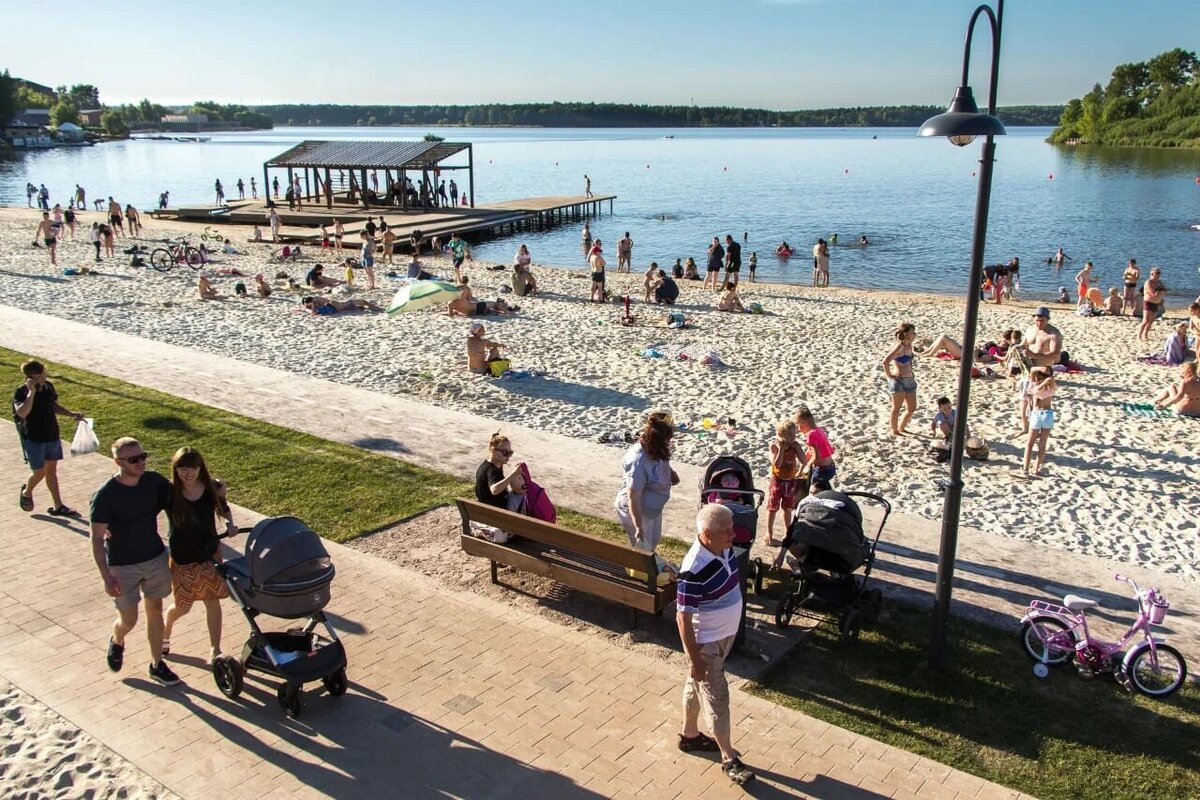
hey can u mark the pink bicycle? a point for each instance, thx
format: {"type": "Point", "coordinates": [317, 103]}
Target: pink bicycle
{"type": "Point", "coordinates": [1053, 635]}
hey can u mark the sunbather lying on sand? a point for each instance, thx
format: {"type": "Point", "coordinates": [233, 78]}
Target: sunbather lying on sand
{"type": "Point", "coordinates": [324, 306]}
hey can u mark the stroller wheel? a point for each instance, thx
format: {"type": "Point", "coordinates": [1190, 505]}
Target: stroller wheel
{"type": "Point", "coordinates": [290, 699]}
{"type": "Point", "coordinates": [757, 569]}
{"type": "Point", "coordinates": [336, 684]}
{"type": "Point", "coordinates": [227, 672]}
{"type": "Point", "coordinates": [783, 613]}
{"type": "Point", "coordinates": [850, 626]}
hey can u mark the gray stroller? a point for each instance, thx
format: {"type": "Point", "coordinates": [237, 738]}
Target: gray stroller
{"type": "Point", "coordinates": [286, 573]}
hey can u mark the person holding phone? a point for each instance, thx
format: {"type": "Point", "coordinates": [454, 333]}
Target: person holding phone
{"type": "Point", "coordinates": [35, 410]}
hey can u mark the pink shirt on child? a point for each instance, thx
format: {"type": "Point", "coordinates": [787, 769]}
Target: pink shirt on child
{"type": "Point", "coordinates": [819, 442]}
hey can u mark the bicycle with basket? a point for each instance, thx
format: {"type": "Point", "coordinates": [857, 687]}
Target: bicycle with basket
{"type": "Point", "coordinates": [1054, 635]}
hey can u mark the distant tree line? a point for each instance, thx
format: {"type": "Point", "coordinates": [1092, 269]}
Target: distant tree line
{"type": "Point", "coordinates": [617, 115]}
{"type": "Point", "coordinates": [1155, 103]}
{"type": "Point", "coordinates": [149, 115]}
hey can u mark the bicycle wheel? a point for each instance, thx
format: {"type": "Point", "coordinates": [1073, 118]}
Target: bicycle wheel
{"type": "Point", "coordinates": [1048, 640]}
{"type": "Point", "coordinates": [193, 257]}
{"type": "Point", "coordinates": [161, 259]}
{"type": "Point", "coordinates": [1162, 681]}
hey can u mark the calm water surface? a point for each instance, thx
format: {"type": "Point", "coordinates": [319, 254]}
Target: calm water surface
{"type": "Point", "coordinates": [913, 198]}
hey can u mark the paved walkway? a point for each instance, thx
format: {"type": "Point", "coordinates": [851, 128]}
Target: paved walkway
{"type": "Point", "coordinates": [451, 695]}
{"type": "Point", "coordinates": [996, 576]}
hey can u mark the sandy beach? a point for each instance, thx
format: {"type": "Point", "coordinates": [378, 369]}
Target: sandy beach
{"type": "Point", "coordinates": [1115, 485]}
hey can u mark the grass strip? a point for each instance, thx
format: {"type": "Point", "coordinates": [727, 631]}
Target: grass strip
{"type": "Point", "coordinates": [1061, 738]}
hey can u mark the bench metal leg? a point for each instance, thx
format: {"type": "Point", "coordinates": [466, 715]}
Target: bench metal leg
{"type": "Point", "coordinates": [494, 578]}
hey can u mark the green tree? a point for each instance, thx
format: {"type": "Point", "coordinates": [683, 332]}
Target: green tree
{"type": "Point", "coordinates": [83, 95]}
{"type": "Point", "coordinates": [113, 123]}
{"type": "Point", "coordinates": [64, 111]}
{"type": "Point", "coordinates": [1173, 69]}
{"type": "Point", "coordinates": [1091, 123]}
{"type": "Point", "coordinates": [8, 97]}
{"type": "Point", "coordinates": [28, 98]}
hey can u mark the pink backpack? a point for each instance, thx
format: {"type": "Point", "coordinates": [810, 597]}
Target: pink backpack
{"type": "Point", "coordinates": [537, 502]}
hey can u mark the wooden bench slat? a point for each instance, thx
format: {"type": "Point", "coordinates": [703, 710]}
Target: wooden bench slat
{"type": "Point", "coordinates": [557, 536]}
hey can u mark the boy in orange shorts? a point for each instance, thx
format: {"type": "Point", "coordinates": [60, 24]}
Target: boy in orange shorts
{"type": "Point", "coordinates": [787, 457]}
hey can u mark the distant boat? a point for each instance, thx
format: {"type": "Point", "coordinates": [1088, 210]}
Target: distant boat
{"type": "Point", "coordinates": [669, 136]}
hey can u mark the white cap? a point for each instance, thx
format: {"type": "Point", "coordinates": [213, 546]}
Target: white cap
{"type": "Point", "coordinates": [476, 327]}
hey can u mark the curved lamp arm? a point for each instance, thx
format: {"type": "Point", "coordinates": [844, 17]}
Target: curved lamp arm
{"type": "Point", "coordinates": [994, 19]}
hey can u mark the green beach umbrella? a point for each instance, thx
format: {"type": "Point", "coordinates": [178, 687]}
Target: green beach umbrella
{"type": "Point", "coordinates": [423, 294]}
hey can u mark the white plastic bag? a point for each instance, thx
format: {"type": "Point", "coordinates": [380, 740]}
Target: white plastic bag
{"type": "Point", "coordinates": [85, 440]}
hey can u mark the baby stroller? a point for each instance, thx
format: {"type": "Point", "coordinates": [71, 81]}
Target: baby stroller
{"type": "Point", "coordinates": [827, 539]}
{"type": "Point", "coordinates": [285, 573]}
{"type": "Point", "coordinates": [728, 480]}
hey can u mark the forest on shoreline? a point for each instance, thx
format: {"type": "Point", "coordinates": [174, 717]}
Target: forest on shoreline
{"type": "Point", "coordinates": [625, 115]}
{"type": "Point", "coordinates": [1153, 103]}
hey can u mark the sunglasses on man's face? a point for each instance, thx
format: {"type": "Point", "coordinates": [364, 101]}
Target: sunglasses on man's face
{"type": "Point", "coordinates": [139, 458]}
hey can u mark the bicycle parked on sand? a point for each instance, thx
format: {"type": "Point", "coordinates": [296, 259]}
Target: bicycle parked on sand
{"type": "Point", "coordinates": [165, 258]}
{"type": "Point", "coordinates": [1053, 635]}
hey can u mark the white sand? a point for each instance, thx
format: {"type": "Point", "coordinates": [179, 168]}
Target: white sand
{"type": "Point", "coordinates": [47, 757]}
{"type": "Point", "coordinates": [1114, 486]}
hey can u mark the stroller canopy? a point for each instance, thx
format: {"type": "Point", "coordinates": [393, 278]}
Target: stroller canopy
{"type": "Point", "coordinates": [832, 522]}
{"type": "Point", "coordinates": [283, 550]}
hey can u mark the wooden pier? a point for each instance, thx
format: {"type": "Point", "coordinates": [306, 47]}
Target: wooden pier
{"type": "Point", "coordinates": [486, 221]}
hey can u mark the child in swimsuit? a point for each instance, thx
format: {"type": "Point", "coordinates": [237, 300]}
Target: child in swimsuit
{"type": "Point", "coordinates": [786, 455]}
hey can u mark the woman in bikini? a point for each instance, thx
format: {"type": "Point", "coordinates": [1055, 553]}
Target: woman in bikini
{"type": "Point", "coordinates": [1040, 397]}
{"type": "Point", "coordinates": [897, 366]}
{"type": "Point", "coordinates": [1131, 277]}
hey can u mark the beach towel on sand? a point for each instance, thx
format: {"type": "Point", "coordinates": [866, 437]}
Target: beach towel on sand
{"type": "Point", "coordinates": [1147, 411]}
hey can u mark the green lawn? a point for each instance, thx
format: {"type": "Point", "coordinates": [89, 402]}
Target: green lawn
{"type": "Point", "coordinates": [1059, 738]}
{"type": "Point", "coordinates": [1062, 737]}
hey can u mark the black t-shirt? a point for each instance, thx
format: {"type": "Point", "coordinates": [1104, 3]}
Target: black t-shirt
{"type": "Point", "coordinates": [42, 423]}
{"type": "Point", "coordinates": [715, 258]}
{"type": "Point", "coordinates": [488, 474]}
{"type": "Point", "coordinates": [668, 290]}
{"type": "Point", "coordinates": [194, 539]}
{"type": "Point", "coordinates": [131, 513]}
{"type": "Point", "coordinates": [370, 228]}
{"type": "Point", "coordinates": [734, 251]}
{"type": "Point", "coordinates": [311, 277]}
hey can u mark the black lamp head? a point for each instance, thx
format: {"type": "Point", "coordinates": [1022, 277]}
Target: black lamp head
{"type": "Point", "coordinates": [963, 121]}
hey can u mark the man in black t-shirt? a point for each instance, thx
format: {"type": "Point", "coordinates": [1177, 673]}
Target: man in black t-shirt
{"type": "Point", "coordinates": [130, 554]}
{"type": "Point", "coordinates": [35, 410]}
{"type": "Point", "coordinates": [733, 260]}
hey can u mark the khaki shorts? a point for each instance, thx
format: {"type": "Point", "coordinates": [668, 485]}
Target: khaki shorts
{"type": "Point", "coordinates": [712, 693]}
{"type": "Point", "coordinates": [151, 578]}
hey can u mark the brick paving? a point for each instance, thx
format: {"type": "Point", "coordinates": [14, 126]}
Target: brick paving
{"type": "Point", "coordinates": [451, 695]}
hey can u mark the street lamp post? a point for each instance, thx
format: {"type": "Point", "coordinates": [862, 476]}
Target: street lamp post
{"type": "Point", "coordinates": [961, 123]}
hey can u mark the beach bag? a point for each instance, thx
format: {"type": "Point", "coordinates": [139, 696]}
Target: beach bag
{"type": "Point", "coordinates": [977, 448]}
{"type": "Point", "coordinates": [85, 440]}
{"type": "Point", "coordinates": [499, 366]}
{"type": "Point", "coordinates": [537, 502]}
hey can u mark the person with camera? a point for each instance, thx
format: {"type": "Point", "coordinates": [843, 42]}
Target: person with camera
{"type": "Point", "coordinates": [35, 412]}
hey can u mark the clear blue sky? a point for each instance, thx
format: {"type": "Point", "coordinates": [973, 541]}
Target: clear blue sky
{"type": "Point", "coordinates": [781, 54]}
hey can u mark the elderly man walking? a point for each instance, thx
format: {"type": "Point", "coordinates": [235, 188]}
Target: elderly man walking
{"type": "Point", "coordinates": [709, 602]}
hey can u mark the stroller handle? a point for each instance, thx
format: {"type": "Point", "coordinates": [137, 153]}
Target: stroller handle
{"type": "Point", "coordinates": [877, 499]}
{"type": "Point", "coordinates": [756, 495]}
{"type": "Point", "coordinates": [235, 533]}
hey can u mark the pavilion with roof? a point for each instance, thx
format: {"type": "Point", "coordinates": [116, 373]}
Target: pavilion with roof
{"type": "Point", "coordinates": [358, 166]}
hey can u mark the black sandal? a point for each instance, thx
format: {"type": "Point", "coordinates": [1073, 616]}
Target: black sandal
{"type": "Point", "coordinates": [698, 744]}
{"type": "Point", "coordinates": [62, 511]}
{"type": "Point", "coordinates": [26, 500]}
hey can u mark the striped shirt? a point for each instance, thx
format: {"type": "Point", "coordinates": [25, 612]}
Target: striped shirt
{"type": "Point", "coordinates": [710, 590]}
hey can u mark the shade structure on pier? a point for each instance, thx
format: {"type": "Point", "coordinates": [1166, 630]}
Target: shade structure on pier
{"type": "Point", "coordinates": [359, 158]}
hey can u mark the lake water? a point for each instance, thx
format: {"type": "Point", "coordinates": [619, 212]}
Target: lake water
{"type": "Point", "coordinates": [913, 198]}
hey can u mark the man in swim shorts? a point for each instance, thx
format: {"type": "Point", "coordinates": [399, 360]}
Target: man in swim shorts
{"type": "Point", "coordinates": [1042, 343]}
{"type": "Point", "coordinates": [48, 234]}
{"type": "Point", "coordinates": [625, 254]}
{"type": "Point", "coordinates": [1154, 295]}
{"type": "Point", "coordinates": [115, 220]}
{"type": "Point", "coordinates": [481, 352]}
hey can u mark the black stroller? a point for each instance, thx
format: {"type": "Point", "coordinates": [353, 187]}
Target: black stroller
{"type": "Point", "coordinates": [286, 572]}
{"type": "Point", "coordinates": [828, 542]}
{"type": "Point", "coordinates": [728, 480]}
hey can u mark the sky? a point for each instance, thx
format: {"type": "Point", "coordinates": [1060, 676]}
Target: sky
{"type": "Point", "coordinates": [776, 54]}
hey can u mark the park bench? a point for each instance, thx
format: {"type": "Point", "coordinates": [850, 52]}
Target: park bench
{"type": "Point", "coordinates": [588, 563]}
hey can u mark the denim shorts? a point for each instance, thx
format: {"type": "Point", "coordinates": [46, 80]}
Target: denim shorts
{"type": "Point", "coordinates": [1041, 419]}
{"type": "Point", "coordinates": [902, 385]}
{"type": "Point", "coordinates": [823, 474]}
{"type": "Point", "coordinates": [38, 453]}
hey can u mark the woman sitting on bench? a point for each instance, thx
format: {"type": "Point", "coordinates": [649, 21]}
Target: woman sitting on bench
{"type": "Point", "coordinates": [491, 486]}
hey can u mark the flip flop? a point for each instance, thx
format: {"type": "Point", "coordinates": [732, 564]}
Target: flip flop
{"type": "Point", "coordinates": [26, 500]}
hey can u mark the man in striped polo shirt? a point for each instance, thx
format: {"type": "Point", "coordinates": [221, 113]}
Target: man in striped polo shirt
{"type": "Point", "coordinates": [709, 602]}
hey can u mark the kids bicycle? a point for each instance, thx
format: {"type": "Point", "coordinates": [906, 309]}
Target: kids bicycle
{"type": "Point", "coordinates": [1053, 635]}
